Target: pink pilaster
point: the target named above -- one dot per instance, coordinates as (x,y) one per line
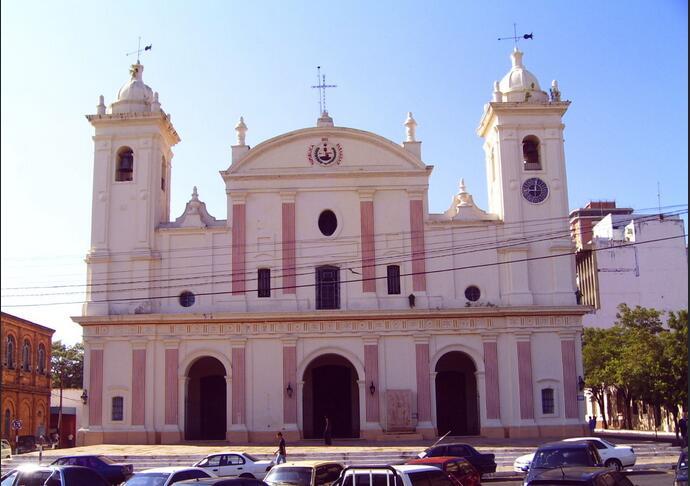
(423,387)
(289,278)
(493,397)
(418,247)
(290,378)
(371,369)
(238,386)
(569,378)
(96,387)
(525,380)
(138,386)
(171,360)
(238,248)
(366,209)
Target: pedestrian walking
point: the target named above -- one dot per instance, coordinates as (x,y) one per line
(683,428)
(327,432)
(281,455)
(592,425)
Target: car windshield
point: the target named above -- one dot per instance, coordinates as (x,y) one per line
(552,458)
(609,444)
(147,479)
(107,460)
(289,475)
(250,457)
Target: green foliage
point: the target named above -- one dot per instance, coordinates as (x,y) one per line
(67,361)
(639,357)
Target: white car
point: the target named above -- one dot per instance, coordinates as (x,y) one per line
(613,455)
(235,464)
(5,450)
(410,474)
(165,476)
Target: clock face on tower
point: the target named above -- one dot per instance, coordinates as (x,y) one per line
(535,190)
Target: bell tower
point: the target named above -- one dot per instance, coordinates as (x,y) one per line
(522,128)
(133,143)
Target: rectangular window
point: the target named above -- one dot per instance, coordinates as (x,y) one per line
(328,287)
(547,404)
(118,409)
(264,282)
(393,279)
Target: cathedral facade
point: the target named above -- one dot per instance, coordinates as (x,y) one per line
(330,290)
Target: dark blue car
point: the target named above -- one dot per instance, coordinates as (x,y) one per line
(113,472)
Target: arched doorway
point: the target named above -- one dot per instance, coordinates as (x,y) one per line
(457,408)
(205,401)
(330,389)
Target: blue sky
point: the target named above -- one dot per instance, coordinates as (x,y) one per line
(624,66)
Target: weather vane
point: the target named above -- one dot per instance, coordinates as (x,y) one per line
(321,85)
(140,50)
(516,37)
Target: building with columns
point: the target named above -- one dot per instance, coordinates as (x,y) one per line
(330,289)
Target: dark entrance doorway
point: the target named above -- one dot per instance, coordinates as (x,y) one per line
(330,389)
(457,409)
(205,410)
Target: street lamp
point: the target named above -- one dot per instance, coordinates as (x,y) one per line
(84,397)
(289,390)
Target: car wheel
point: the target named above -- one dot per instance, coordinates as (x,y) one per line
(247,475)
(614,463)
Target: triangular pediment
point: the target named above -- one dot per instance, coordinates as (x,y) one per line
(326,150)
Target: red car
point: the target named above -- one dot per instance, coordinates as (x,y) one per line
(458,467)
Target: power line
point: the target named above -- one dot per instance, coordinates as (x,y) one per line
(427,272)
(472,230)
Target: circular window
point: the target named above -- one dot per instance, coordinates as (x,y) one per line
(187,299)
(472,293)
(328,222)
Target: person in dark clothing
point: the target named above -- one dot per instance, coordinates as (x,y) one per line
(281,455)
(683,428)
(327,432)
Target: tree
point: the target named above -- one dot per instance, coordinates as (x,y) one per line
(600,350)
(67,361)
(67,369)
(675,363)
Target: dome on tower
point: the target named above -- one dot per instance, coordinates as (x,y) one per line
(135,95)
(520,84)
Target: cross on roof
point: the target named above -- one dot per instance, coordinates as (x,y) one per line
(321,85)
(516,37)
(140,50)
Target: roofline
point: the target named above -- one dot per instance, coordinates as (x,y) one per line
(11,317)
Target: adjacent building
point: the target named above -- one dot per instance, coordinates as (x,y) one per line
(330,289)
(25,377)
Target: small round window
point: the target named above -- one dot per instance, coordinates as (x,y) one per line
(328,222)
(187,299)
(472,293)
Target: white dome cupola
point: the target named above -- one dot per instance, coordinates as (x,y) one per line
(520,84)
(134,96)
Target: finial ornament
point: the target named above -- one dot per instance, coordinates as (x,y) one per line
(195,194)
(410,127)
(515,38)
(241,130)
(464,198)
(321,86)
(555,92)
(497,95)
(101,105)
(155,105)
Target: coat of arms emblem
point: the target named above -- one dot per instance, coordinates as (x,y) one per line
(325,153)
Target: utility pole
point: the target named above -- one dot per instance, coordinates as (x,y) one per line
(61,364)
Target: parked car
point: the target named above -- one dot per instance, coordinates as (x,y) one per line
(485,463)
(165,476)
(235,464)
(34,474)
(222,482)
(304,473)
(5,449)
(397,475)
(616,456)
(585,476)
(25,443)
(112,471)
(563,454)
(682,469)
(459,467)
